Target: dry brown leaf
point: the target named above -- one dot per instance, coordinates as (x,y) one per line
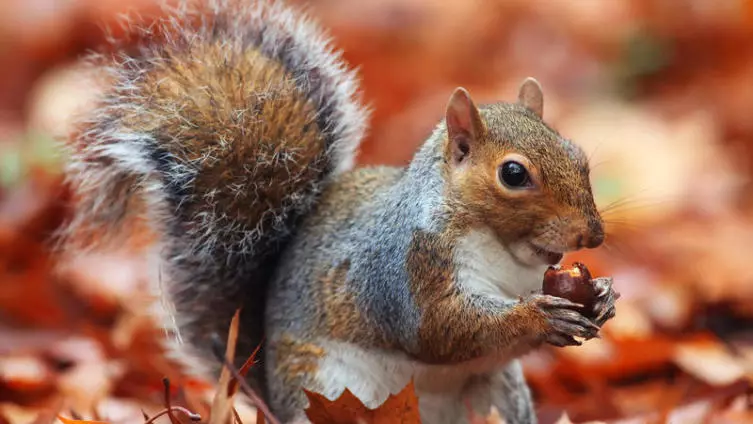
(403,407)
(26,380)
(232,387)
(222,404)
(72,421)
(342,410)
(737,412)
(346,409)
(634,147)
(25,373)
(710,361)
(565,419)
(15,413)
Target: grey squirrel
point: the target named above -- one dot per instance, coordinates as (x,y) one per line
(233,137)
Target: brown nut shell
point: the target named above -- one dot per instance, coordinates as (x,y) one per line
(574,284)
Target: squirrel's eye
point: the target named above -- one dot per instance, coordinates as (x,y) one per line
(514,175)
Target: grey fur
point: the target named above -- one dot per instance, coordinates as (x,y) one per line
(211,263)
(375,241)
(374,238)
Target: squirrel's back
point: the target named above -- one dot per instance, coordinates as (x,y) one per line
(220,132)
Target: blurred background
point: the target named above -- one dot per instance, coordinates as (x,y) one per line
(658,92)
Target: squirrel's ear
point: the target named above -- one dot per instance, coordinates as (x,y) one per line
(464,124)
(531,96)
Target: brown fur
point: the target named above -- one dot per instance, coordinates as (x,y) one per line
(341,316)
(218,131)
(297,362)
(454,328)
(559,211)
(219,99)
(342,198)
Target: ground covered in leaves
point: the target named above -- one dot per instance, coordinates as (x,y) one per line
(659,93)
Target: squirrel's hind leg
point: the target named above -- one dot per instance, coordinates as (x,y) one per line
(329,367)
(507,391)
(291,364)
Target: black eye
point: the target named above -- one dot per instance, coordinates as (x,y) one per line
(513,174)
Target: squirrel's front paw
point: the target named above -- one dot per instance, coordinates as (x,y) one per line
(604,308)
(563,321)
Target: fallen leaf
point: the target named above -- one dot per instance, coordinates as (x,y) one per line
(232,387)
(26,380)
(347,409)
(343,410)
(565,419)
(710,362)
(72,421)
(222,405)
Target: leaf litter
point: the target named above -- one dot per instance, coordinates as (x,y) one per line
(666,124)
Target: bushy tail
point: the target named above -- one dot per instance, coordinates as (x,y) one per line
(219,133)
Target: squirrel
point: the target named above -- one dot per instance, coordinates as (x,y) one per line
(234,136)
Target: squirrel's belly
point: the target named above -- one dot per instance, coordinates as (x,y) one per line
(373,375)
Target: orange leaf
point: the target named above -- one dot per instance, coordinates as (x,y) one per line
(233,385)
(347,409)
(400,408)
(342,410)
(72,421)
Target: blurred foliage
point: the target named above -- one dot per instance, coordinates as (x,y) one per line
(21,156)
(643,55)
(658,92)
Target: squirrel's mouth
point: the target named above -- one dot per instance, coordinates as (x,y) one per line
(549,257)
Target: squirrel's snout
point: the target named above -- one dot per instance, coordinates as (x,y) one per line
(593,236)
(594,240)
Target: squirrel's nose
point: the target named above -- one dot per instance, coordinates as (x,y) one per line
(593,236)
(595,239)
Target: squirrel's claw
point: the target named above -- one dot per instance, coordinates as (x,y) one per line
(561,340)
(564,321)
(603,285)
(605,307)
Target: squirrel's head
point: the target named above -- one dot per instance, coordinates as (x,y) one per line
(509,171)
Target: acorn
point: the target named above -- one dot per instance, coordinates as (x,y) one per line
(574,284)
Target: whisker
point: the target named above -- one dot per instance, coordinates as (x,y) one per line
(632,204)
(627,200)
(620,249)
(592,154)
(626,224)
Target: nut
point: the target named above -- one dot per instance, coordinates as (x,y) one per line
(574,284)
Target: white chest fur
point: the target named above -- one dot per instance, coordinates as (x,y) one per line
(442,389)
(486,267)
